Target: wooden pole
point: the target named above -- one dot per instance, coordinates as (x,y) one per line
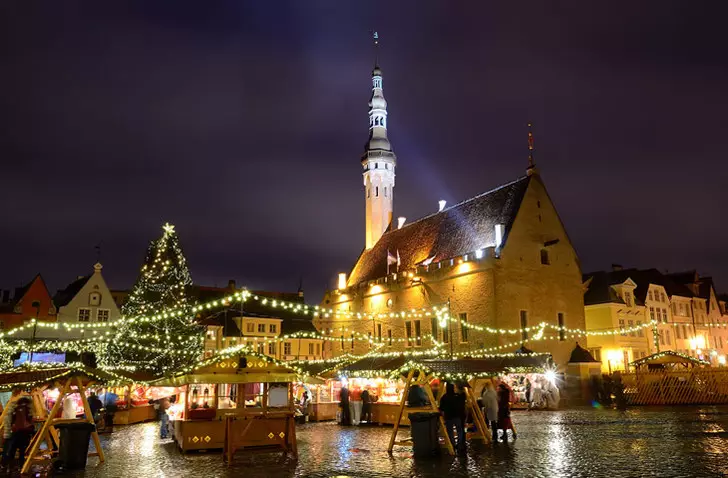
(441,419)
(401,410)
(90,418)
(44,429)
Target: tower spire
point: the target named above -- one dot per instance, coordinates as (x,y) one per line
(378,160)
(531,162)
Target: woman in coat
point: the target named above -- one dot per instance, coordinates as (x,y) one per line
(504,411)
(490,408)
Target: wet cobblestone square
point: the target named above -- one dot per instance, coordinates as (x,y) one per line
(670,442)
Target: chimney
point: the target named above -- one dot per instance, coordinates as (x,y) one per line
(442,203)
(231,284)
(400,221)
(617,267)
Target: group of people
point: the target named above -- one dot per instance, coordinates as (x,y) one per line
(356,405)
(18,429)
(495,406)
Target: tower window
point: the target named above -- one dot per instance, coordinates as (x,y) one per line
(376,191)
(386,166)
(385,191)
(369,192)
(545,257)
(524,325)
(376,165)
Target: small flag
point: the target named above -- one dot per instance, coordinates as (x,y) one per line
(391,259)
(428,261)
(399,261)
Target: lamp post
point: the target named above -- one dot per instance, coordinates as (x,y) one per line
(35,325)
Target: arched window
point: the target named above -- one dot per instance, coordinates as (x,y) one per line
(376,191)
(385,191)
(369,193)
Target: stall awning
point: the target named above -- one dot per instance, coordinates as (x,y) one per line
(383,367)
(28,377)
(668,357)
(487,366)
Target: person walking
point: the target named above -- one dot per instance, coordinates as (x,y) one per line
(452,406)
(95,405)
(504,412)
(490,408)
(164,405)
(18,429)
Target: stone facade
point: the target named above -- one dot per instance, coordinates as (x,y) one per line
(534,271)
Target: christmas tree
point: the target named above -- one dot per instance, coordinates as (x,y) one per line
(158,332)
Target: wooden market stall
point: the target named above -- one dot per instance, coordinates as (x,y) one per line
(668,360)
(239,400)
(25,381)
(425,373)
(319,378)
(134,396)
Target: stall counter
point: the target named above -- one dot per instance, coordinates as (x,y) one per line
(385,413)
(135,414)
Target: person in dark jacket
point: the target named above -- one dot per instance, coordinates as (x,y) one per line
(344,405)
(94,403)
(452,406)
(504,412)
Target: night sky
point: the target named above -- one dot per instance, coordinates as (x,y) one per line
(242,123)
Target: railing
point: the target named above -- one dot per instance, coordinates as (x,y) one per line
(684,387)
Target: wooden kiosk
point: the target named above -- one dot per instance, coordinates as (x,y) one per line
(68,381)
(239,400)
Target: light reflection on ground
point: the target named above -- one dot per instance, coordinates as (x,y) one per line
(572,443)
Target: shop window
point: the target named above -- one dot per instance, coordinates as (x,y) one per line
(464,328)
(524,325)
(562,332)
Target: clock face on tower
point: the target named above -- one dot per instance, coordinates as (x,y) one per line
(94,298)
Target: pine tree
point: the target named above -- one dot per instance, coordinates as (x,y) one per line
(158,332)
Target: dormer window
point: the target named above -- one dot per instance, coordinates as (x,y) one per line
(628,298)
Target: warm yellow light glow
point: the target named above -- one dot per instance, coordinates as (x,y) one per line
(342,280)
(614,355)
(721,360)
(376,289)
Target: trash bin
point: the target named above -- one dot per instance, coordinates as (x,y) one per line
(423,426)
(73,449)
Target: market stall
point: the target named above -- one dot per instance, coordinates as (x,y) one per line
(235,400)
(39,383)
(318,379)
(381,377)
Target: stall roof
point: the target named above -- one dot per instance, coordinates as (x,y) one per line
(383,366)
(224,368)
(485,366)
(667,357)
(32,377)
(323,367)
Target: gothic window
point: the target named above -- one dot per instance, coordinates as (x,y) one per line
(385,191)
(376,191)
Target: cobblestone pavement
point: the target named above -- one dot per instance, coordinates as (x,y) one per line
(670,442)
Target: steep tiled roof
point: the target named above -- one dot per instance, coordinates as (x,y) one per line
(9,307)
(66,295)
(457,230)
(600,290)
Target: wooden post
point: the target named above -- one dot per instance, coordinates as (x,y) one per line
(90,418)
(477,415)
(441,419)
(401,410)
(44,429)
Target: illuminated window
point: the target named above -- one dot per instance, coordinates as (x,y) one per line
(272,349)
(273,328)
(621,326)
(418,335)
(652,313)
(640,331)
(84,315)
(261,328)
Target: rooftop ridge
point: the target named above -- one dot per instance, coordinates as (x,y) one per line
(465,201)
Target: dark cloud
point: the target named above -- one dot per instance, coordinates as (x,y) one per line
(243,122)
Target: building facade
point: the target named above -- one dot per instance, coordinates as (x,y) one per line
(658,312)
(30,301)
(501,260)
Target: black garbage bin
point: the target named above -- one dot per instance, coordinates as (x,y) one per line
(73,449)
(423,426)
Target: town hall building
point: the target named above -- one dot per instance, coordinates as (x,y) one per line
(500,260)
